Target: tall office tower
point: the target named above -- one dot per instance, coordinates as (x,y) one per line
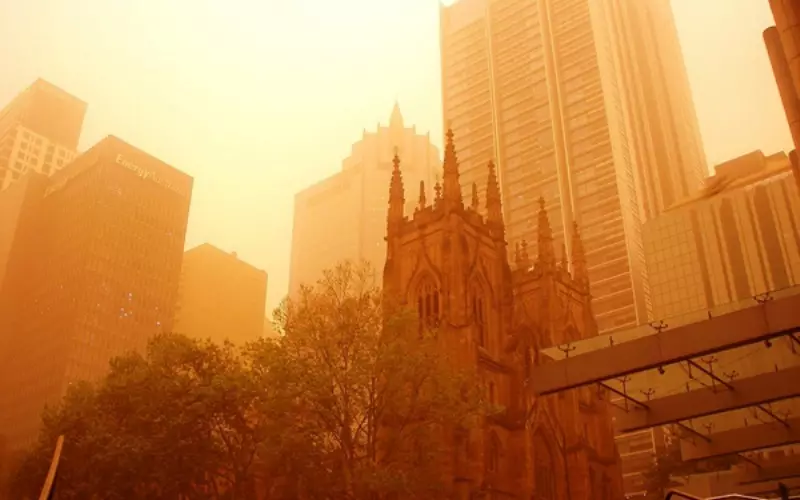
(743,242)
(92,273)
(220,297)
(344,216)
(39,131)
(583,102)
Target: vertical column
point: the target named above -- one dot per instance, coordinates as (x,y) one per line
(783,77)
(783,45)
(787,21)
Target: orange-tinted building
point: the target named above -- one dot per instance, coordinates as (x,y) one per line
(92,272)
(220,297)
(39,131)
(449,261)
(586,104)
(342,217)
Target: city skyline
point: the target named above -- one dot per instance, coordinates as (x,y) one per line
(235,142)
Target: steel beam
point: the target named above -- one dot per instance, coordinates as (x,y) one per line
(750,391)
(771,319)
(742,440)
(752,480)
(723,486)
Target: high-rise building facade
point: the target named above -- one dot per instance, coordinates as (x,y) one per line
(742,242)
(220,297)
(92,273)
(39,131)
(343,217)
(553,91)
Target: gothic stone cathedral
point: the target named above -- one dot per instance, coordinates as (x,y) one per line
(451,262)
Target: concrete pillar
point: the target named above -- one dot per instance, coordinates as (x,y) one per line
(783,45)
(783,77)
(793,157)
(787,20)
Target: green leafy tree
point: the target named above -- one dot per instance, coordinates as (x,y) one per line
(178,423)
(378,393)
(354,401)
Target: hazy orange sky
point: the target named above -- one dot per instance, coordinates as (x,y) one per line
(258,98)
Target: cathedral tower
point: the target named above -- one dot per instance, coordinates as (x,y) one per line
(450,263)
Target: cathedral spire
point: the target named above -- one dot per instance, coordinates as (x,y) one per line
(494,207)
(452,188)
(524,258)
(580,273)
(475,201)
(422,201)
(396,194)
(546,257)
(396,120)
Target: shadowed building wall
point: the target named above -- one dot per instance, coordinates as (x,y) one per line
(220,297)
(92,273)
(587,104)
(39,131)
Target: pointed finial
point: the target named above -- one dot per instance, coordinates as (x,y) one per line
(422,200)
(396,194)
(451,186)
(580,272)
(524,258)
(396,119)
(437,189)
(475,201)
(494,207)
(546,257)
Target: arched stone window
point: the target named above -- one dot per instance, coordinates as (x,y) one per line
(493,453)
(428,302)
(544,470)
(479,314)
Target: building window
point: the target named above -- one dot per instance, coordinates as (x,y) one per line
(544,472)
(493,453)
(428,303)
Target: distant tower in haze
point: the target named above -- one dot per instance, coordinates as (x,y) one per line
(587,104)
(220,297)
(343,217)
(39,131)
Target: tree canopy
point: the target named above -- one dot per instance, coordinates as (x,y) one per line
(350,402)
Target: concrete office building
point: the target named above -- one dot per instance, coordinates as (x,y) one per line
(587,104)
(711,251)
(39,131)
(220,297)
(92,273)
(727,248)
(344,216)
